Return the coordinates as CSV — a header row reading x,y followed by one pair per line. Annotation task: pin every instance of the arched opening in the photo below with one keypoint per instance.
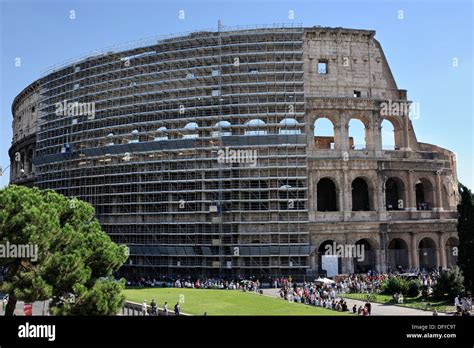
x,y
427,254
135,138
223,129
451,247
326,261
364,257
326,195
357,134
191,131
289,126
360,195
256,127
388,135
424,194
394,194
324,134
161,134
397,255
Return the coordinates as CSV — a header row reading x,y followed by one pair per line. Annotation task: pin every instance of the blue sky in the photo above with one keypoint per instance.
x,y
420,47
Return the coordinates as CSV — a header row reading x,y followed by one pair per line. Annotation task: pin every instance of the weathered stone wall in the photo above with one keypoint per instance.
x,y
355,62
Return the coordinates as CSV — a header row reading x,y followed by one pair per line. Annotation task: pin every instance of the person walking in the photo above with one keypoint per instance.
x,y
165,309
368,305
144,308
153,307
177,309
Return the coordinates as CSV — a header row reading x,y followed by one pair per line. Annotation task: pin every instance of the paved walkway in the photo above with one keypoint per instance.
x,y
377,308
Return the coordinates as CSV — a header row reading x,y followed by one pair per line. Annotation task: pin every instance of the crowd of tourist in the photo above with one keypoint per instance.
x,y
323,293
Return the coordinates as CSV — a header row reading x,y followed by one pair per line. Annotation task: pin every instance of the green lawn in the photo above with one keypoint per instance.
x,y
413,302
223,302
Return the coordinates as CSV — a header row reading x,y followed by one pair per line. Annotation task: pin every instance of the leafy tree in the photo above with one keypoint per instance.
x,y
75,259
466,236
414,288
395,285
449,283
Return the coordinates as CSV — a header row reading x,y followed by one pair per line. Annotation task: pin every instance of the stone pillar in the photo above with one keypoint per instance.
x,y
341,133
438,193
410,193
414,252
441,252
406,135
381,202
347,208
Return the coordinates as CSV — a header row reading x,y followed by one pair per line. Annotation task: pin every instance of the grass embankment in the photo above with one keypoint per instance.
x,y
223,302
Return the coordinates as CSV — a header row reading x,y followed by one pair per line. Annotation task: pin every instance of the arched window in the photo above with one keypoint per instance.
x,y
190,130
326,195
135,137
161,134
424,194
223,129
357,135
255,126
427,251
110,139
289,126
324,134
398,254
388,135
360,195
394,194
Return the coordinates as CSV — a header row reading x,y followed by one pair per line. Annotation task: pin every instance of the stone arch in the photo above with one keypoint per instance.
x,y
427,253
327,195
424,194
395,194
324,134
358,131
321,251
394,126
398,254
367,260
362,193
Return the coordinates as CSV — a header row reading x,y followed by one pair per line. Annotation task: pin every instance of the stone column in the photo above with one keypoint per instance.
x,y
347,203
414,252
410,204
406,138
341,133
441,252
439,196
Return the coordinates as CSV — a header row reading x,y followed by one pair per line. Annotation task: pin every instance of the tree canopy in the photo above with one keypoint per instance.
x,y
75,258
466,237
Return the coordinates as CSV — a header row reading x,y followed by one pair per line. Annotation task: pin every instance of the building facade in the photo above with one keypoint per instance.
x,y
202,153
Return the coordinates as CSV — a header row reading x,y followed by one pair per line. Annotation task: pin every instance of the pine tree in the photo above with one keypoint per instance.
x,y
466,237
75,259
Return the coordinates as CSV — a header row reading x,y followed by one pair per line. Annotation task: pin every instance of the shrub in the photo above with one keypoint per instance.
x,y
449,283
425,290
395,285
414,287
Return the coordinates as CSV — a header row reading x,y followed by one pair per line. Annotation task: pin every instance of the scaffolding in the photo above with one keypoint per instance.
x,y
150,159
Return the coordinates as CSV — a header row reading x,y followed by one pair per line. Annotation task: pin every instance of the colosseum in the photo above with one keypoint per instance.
x,y
201,152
